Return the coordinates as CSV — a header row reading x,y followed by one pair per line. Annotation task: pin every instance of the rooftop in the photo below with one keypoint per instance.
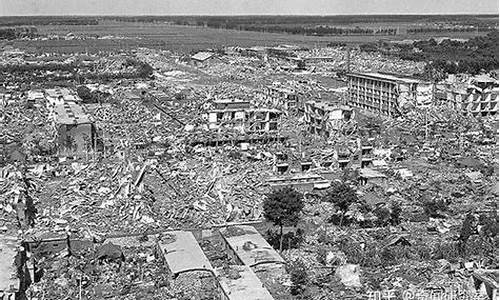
x,y
370,173
246,287
70,113
230,101
57,92
183,253
328,106
251,248
387,77
201,56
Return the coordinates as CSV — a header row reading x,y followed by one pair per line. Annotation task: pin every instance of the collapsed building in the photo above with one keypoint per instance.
x,y
387,94
325,118
14,277
478,97
76,132
283,97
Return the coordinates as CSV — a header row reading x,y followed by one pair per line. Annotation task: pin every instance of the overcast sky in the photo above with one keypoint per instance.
x,y
244,7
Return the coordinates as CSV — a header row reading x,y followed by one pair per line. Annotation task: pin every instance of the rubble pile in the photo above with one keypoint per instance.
x,y
199,143
361,61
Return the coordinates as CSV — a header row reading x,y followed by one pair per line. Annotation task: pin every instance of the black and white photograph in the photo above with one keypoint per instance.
x,y
249,150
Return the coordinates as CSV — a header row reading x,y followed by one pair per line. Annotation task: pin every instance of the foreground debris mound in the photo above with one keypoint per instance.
x,y
349,275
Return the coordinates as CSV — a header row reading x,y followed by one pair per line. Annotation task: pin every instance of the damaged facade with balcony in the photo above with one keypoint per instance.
x,y
240,116
478,96
327,118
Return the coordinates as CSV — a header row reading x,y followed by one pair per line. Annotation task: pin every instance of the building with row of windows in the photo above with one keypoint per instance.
x,y
387,94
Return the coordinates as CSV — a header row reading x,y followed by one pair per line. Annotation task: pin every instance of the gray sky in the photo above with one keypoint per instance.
x,y
244,7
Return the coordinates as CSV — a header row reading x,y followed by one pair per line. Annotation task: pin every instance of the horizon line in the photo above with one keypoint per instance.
x,y
251,15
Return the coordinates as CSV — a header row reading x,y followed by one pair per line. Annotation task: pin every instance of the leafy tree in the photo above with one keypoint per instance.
x,y
283,207
383,214
490,224
342,196
85,94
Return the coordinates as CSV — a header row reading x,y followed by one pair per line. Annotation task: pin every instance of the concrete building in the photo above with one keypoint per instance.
x,y
326,118
386,94
355,153
76,132
301,183
284,98
240,116
202,58
478,97
247,246
182,253
367,175
34,97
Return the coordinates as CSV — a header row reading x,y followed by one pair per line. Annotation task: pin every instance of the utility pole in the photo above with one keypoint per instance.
x,y
348,59
426,126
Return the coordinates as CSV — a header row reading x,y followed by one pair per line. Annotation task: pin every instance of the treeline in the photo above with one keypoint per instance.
x,y
336,44
448,29
317,31
142,70
18,32
304,20
47,20
452,57
16,68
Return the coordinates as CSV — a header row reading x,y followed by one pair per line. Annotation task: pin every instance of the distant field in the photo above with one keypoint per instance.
x,y
187,38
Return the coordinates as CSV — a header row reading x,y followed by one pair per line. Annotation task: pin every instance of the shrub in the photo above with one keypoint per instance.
x,y
446,250
395,214
432,207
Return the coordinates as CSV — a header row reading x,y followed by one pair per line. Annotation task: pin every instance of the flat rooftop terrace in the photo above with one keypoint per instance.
x,y
249,245
70,113
183,253
246,287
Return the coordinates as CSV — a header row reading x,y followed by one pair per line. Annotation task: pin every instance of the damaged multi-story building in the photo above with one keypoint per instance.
x,y
357,152
478,96
283,97
239,115
387,94
326,118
